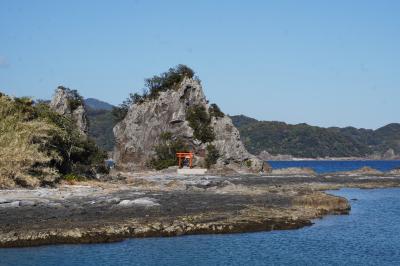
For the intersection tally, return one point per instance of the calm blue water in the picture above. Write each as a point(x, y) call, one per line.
point(336, 166)
point(370, 235)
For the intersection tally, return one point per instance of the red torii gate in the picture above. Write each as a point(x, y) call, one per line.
point(185, 155)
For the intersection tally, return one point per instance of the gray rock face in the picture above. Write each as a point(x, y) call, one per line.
point(266, 156)
point(389, 155)
point(61, 103)
point(138, 134)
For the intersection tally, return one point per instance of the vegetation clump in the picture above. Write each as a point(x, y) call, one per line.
point(212, 155)
point(167, 80)
point(79, 155)
point(248, 163)
point(73, 178)
point(37, 145)
point(153, 87)
point(166, 151)
point(215, 111)
point(119, 112)
point(199, 120)
point(22, 139)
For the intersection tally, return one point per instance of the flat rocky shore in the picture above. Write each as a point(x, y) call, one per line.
point(154, 204)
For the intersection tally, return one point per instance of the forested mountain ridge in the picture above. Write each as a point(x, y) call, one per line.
point(96, 104)
point(101, 123)
point(307, 141)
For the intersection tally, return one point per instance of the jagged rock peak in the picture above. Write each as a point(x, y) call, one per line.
point(142, 129)
point(69, 103)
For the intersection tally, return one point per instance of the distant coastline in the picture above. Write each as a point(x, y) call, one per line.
point(278, 139)
point(283, 157)
point(334, 159)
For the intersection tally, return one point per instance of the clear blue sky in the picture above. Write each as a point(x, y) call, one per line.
point(326, 63)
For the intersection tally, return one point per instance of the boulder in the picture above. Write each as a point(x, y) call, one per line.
point(145, 202)
point(12, 204)
point(2, 200)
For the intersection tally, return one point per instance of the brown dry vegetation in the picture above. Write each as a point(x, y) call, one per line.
point(39, 146)
point(22, 157)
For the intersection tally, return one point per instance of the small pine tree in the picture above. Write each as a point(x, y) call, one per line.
point(199, 121)
point(212, 155)
point(215, 111)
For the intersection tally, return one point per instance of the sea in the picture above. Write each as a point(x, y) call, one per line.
point(369, 235)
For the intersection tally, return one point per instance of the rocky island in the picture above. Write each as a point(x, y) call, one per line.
point(54, 187)
point(175, 114)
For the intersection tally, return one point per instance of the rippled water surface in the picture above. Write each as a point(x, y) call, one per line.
point(370, 235)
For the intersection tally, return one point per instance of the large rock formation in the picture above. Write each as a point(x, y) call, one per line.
point(389, 155)
point(140, 131)
point(70, 104)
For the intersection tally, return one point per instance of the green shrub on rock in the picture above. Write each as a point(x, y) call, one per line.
point(248, 163)
point(119, 112)
point(212, 155)
point(73, 177)
point(158, 83)
point(215, 111)
point(167, 80)
point(166, 151)
point(79, 154)
point(199, 120)
point(75, 100)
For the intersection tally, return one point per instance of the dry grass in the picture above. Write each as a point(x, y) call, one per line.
point(21, 139)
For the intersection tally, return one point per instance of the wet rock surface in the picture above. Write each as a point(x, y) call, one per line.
point(164, 205)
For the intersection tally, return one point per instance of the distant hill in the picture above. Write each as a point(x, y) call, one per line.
point(98, 105)
point(303, 140)
point(241, 121)
point(101, 123)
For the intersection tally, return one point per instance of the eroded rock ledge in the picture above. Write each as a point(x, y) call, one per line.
point(180, 226)
point(142, 205)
